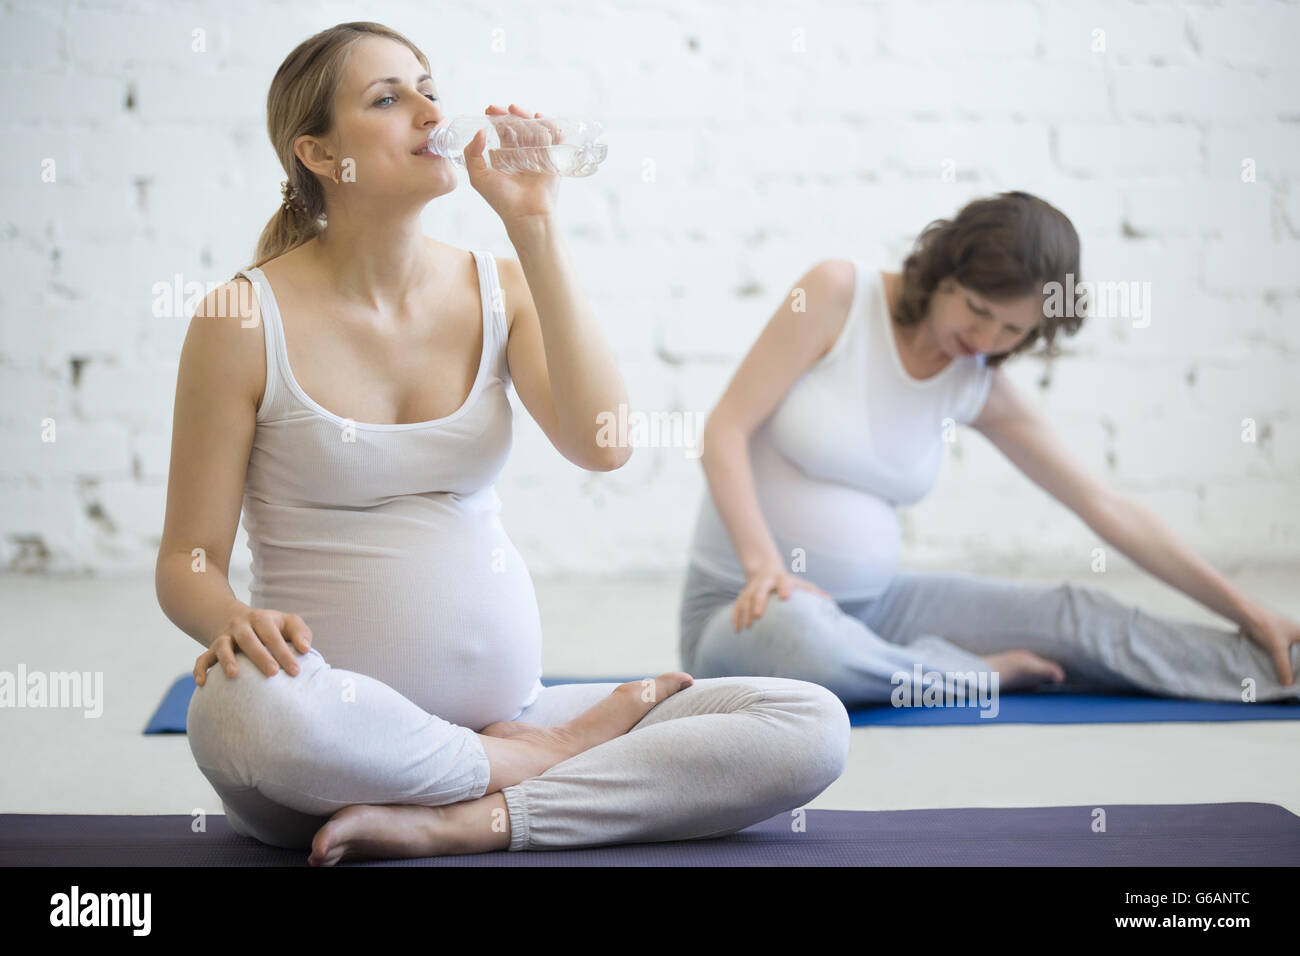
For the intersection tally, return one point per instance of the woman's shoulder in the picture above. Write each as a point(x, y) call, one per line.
point(833, 285)
point(839, 275)
point(442, 254)
point(225, 341)
point(448, 260)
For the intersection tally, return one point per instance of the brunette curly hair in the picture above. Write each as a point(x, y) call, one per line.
point(1003, 247)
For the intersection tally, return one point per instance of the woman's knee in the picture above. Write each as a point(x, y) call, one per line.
point(795, 637)
point(824, 733)
point(810, 732)
point(231, 720)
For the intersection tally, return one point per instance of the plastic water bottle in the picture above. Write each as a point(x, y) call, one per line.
point(517, 144)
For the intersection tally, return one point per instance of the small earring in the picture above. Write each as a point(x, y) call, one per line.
point(335, 175)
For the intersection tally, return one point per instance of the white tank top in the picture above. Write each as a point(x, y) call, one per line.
point(386, 539)
point(855, 436)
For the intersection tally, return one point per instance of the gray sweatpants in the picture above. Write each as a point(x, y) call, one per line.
point(285, 752)
point(946, 622)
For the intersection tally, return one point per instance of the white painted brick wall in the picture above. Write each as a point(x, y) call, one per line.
point(780, 134)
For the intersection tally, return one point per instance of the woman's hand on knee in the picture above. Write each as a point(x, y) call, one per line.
point(260, 633)
point(752, 600)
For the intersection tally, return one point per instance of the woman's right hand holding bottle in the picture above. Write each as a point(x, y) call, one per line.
point(515, 197)
point(769, 576)
point(261, 634)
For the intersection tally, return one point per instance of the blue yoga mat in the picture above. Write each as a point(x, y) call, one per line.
point(1052, 706)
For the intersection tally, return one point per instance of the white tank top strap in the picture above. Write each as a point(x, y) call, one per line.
point(494, 307)
point(276, 390)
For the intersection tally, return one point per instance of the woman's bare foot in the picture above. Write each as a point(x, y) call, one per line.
point(1020, 669)
point(516, 751)
point(365, 832)
point(403, 831)
point(616, 714)
point(520, 750)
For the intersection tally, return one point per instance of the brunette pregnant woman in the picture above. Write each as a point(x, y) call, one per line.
point(380, 696)
point(838, 414)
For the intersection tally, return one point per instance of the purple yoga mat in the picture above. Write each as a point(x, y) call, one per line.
point(1198, 834)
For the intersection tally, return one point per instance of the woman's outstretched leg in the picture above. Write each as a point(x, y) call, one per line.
point(808, 637)
point(1100, 641)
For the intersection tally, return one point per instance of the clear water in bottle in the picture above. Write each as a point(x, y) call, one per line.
point(516, 144)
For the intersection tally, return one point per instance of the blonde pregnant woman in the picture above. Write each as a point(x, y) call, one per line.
point(380, 696)
point(838, 414)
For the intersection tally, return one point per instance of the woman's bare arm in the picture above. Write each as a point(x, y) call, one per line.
point(218, 385)
point(562, 366)
point(1021, 432)
point(800, 331)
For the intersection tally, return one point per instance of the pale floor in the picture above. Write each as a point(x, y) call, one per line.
point(57, 761)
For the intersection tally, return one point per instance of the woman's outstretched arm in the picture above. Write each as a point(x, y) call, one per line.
point(1022, 433)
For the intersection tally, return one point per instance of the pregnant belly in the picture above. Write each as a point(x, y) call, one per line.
point(447, 616)
point(848, 540)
